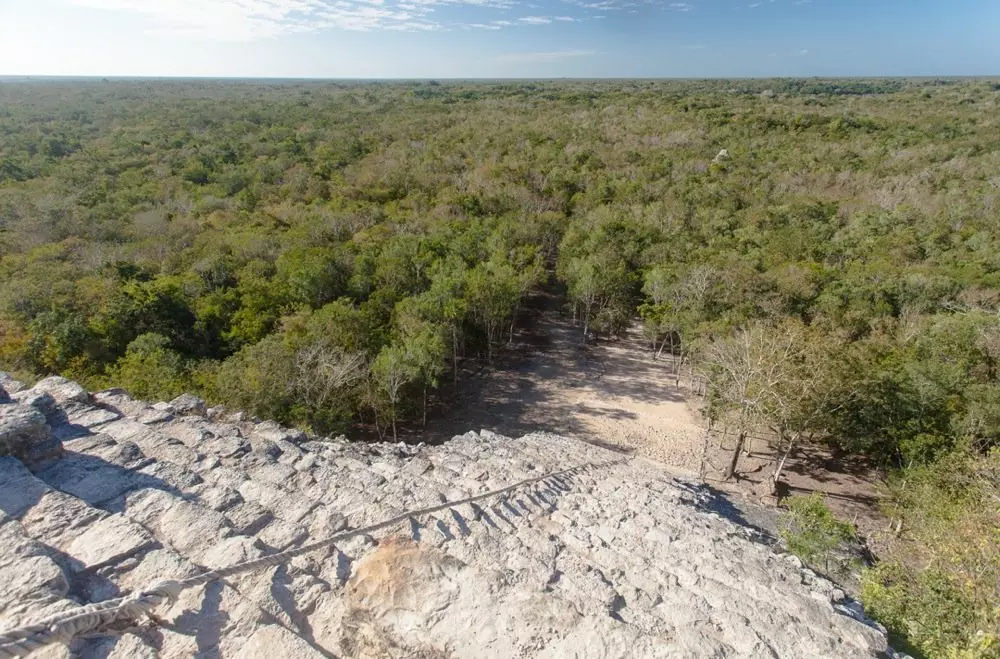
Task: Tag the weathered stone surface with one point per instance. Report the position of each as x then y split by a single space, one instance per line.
625 560
229 551
280 534
275 474
40 400
9 385
156 565
186 404
63 390
271 431
183 525
19 489
86 416
29 579
248 518
275 642
30 582
59 518
125 646
92 479
287 507
109 540
25 434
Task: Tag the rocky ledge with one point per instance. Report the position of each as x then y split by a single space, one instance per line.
101 495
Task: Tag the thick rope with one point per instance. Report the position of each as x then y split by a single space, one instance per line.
65 626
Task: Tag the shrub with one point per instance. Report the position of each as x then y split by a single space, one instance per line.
150 369
814 535
938 586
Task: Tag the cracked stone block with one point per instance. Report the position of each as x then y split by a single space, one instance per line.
185 526
25 434
229 551
248 518
20 490
9 385
88 417
63 390
91 479
59 518
109 540
187 404
40 400
30 583
274 432
281 535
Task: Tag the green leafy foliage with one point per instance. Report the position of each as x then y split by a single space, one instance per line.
938 584
815 535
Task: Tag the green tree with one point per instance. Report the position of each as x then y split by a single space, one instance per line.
150 369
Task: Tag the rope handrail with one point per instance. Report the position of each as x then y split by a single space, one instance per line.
65 626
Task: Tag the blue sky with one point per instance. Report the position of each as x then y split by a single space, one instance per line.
499 38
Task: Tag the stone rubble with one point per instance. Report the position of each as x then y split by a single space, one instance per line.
628 560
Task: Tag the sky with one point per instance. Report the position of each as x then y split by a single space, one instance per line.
499 38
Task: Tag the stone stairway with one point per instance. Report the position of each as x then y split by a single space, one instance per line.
102 495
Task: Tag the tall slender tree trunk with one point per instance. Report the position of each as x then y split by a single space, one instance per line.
776 477
663 344
678 364
425 406
703 465
731 469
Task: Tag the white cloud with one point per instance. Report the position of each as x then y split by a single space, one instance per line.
249 20
553 56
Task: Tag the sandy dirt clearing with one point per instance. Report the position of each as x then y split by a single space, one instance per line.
615 395
611 393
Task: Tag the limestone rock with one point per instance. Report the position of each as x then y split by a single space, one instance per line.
111 539
269 430
186 404
9 385
615 559
31 582
40 400
275 642
722 156
63 390
25 434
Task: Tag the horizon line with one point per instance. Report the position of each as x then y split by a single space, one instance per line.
98 77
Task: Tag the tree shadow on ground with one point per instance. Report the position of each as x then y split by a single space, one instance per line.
707 499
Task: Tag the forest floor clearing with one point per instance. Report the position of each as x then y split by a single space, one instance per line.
615 395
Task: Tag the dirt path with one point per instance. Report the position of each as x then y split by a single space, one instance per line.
610 394
613 394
